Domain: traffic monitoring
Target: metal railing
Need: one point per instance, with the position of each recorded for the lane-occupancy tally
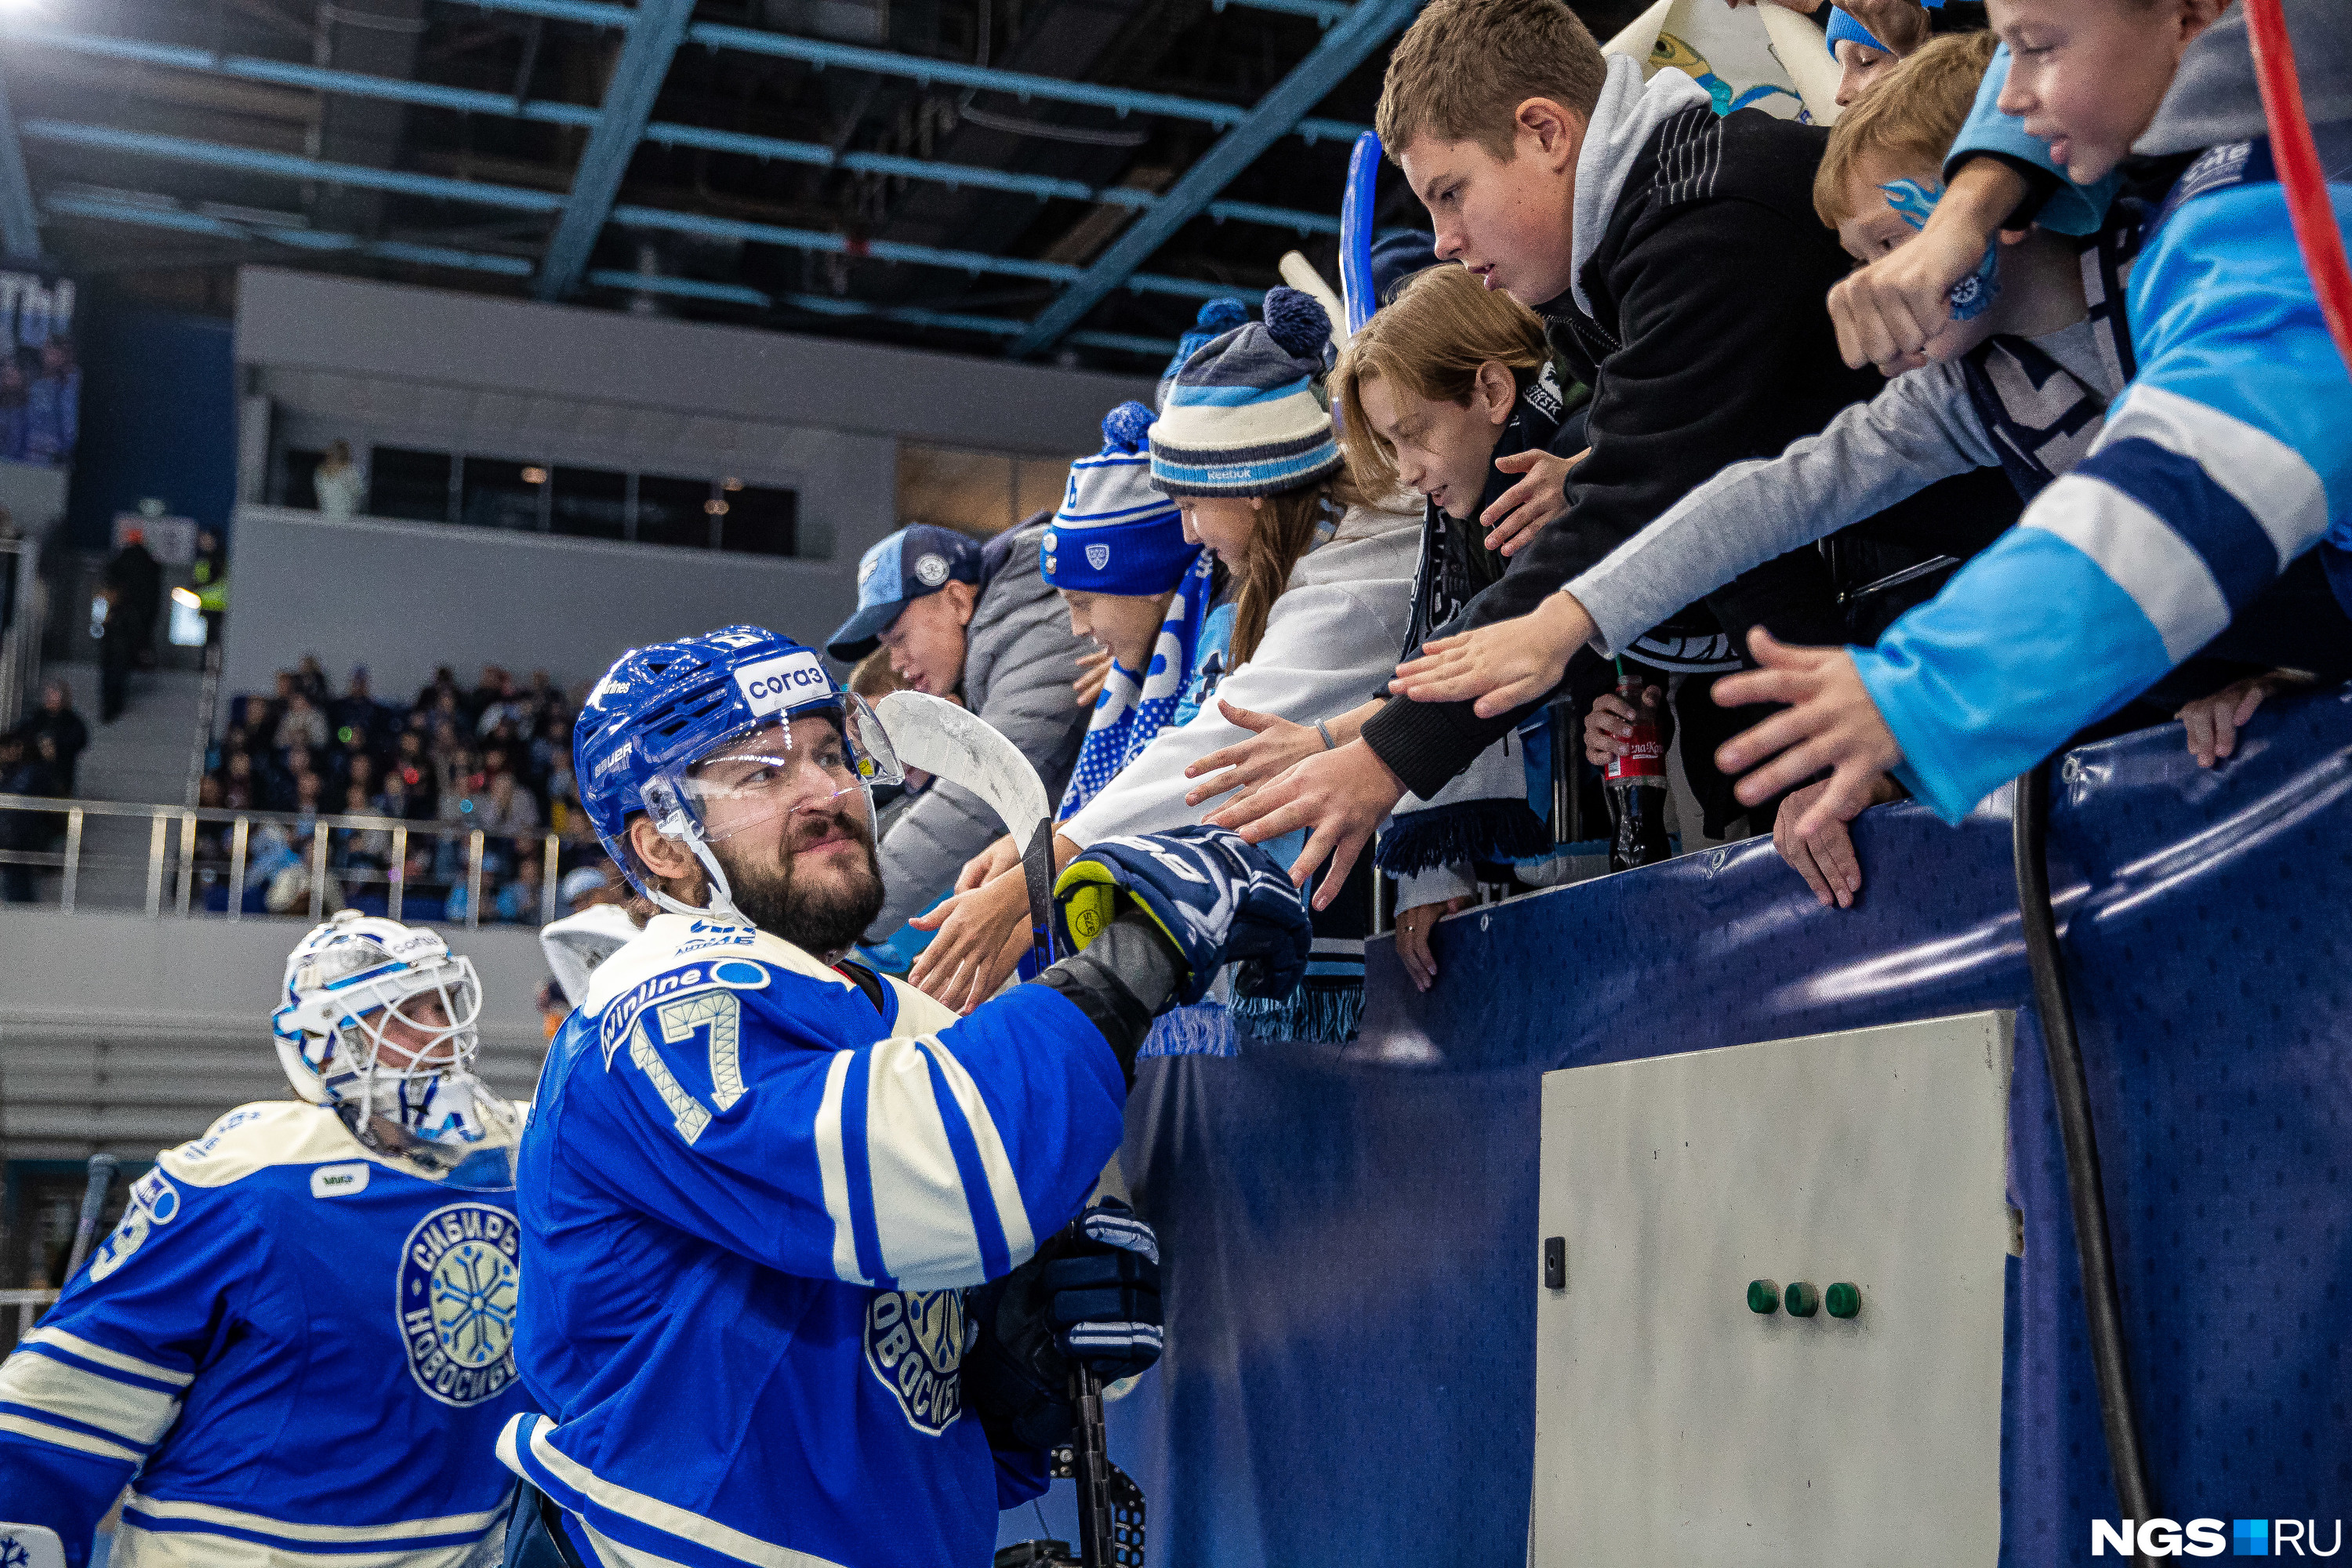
(176, 858)
(23, 607)
(23, 1308)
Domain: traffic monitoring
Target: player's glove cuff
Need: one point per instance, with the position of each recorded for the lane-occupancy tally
(1217, 898)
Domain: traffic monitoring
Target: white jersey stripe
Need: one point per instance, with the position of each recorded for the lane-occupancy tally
(2269, 478)
(2163, 574)
(1003, 1184)
(136, 1415)
(136, 1547)
(67, 1438)
(834, 1172)
(921, 1214)
(563, 1469)
(406, 1529)
(99, 1355)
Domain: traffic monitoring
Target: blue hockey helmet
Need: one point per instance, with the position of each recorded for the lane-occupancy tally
(661, 710)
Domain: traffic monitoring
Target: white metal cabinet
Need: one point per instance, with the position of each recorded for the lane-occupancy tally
(1677, 1427)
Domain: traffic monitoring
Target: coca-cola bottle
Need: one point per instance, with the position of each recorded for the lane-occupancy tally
(1636, 781)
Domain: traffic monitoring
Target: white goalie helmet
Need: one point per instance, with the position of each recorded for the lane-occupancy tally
(380, 1018)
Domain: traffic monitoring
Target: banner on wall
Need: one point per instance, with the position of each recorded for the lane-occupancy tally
(40, 372)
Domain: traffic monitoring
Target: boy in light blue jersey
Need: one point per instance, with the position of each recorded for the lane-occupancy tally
(297, 1345)
(2228, 458)
(758, 1182)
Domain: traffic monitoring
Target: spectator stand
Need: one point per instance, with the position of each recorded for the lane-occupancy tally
(457, 806)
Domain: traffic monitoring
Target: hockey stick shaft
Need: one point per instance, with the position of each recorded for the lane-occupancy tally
(93, 1204)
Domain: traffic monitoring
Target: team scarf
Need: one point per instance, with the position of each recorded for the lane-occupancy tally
(1133, 710)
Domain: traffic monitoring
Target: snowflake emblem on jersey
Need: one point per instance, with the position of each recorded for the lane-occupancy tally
(13, 1553)
(915, 1341)
(458, 1274)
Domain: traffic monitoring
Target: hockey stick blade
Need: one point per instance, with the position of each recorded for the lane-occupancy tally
(935, 735)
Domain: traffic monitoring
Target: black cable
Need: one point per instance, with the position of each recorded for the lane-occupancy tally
(2070, 1088)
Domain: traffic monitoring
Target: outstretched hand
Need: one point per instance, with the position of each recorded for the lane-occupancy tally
(1505, 666)
(1825, 858)
(1338, 797)
(987, 866)
(1519, 513)
(1274, 745)
(981, 935)
(1829, 722)
(2212, 721)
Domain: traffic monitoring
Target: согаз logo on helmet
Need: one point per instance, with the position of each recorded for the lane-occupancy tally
(775, 684)
(455, 1299)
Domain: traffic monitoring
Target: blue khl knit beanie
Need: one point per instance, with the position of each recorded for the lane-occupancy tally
(1216, 318)
(1114, 532)
(1242, 419)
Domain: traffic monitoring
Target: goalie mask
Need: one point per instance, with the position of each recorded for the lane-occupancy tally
(378, 1021)
(702, 735)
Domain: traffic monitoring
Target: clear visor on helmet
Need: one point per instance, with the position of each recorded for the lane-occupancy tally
(814, 763)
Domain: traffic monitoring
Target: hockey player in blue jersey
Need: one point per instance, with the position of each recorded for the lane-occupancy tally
(299, 1339)
(758, 1182)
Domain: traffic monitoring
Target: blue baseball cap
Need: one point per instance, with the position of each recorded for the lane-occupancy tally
(920, 558)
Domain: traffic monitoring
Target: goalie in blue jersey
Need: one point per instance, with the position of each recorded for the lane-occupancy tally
(299, 1340)
(758, 1181)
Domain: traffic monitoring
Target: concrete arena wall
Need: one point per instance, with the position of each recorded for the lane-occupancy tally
(429, 335)
(129, 1034)
(402, 598)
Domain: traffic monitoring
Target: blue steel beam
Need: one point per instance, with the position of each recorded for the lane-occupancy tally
(706, 227)
(287, 165)
(315, 78)
(922, 69)
(161, 212)
(629, 96)
(1343, 48)
(20, 223)
(470, 101)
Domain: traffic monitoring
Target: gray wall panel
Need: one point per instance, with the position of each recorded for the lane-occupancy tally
(288, 318)
(402, 597)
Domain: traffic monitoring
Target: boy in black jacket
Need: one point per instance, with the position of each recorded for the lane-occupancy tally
(1678, 259)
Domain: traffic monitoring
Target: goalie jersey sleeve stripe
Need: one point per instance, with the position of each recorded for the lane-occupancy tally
(2229, 457)
(38, 1382)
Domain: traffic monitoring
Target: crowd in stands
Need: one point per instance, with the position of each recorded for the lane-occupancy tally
(494, 759)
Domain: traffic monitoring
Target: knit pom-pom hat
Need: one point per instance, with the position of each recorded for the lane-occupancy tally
(1242, 419)
(1216, 318)
(1114, 533)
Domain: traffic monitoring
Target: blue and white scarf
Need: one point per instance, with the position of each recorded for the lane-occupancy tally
(1133, 710)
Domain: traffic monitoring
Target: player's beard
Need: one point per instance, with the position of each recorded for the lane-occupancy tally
(825, 916)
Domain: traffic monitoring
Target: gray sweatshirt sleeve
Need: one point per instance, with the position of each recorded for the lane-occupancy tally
(1923, 427)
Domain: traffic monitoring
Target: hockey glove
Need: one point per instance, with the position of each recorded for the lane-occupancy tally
(1218, 898)
(1090, 1297)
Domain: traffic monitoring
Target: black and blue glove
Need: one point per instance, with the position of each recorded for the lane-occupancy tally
(1218, 898)
(1089, 1298)
(1103, 1293)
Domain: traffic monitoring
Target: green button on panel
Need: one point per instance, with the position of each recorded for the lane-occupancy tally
(1842, 1300)
(1763, 1296)
(1802, 1299)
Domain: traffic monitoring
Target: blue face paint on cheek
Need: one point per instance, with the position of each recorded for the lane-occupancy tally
(1972, 296)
